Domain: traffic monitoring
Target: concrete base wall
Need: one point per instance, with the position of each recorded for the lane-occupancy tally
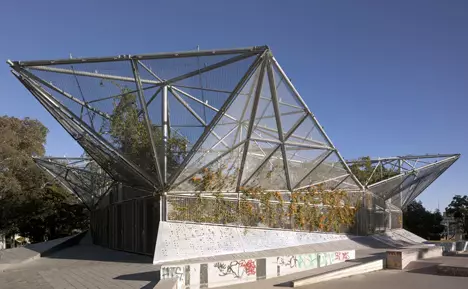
(181, 241)
(399, 259)
(222, 273)
(448, 246)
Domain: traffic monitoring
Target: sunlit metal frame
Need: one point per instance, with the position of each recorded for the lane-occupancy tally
(407, 166)
(161, 183)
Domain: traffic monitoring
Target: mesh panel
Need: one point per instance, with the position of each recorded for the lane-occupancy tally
(348, 184)
(265, 126)
(220, 175)
(84, 178)
(382, 189)
(271, 176)
(230, 130)
(256, 156)
(308, 134)
(104, 96)
(302, 160)
(329, 170)
(290, 108)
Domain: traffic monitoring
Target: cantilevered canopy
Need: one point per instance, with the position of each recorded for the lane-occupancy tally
(406, 176)
(165, 120)
(81, 176)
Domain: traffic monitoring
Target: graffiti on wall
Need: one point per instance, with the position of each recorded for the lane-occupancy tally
(342, 256)
(237, 269)
(307, 261)
(287, 261)
(294, 263)
(172, 273)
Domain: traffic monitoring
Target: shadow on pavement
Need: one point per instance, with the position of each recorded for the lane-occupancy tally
(152, 277)
(98, 253)
(423, 268)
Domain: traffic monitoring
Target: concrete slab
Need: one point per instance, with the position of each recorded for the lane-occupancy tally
(11, 258)
(184, 241)
(83, 266)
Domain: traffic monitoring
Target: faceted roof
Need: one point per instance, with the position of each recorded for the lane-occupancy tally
(162, 120)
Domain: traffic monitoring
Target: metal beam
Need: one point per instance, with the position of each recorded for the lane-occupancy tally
(217, 117)
(251, 123)
(323, 182)
(274, 98)
(65, 115)
(210, 163)
(182, 54)
(201, 102)
(208, 68)
(147, 119)
(64, 93)
(296, 93)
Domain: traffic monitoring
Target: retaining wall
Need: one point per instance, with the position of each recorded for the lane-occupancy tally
(181, 241)
(222, 273)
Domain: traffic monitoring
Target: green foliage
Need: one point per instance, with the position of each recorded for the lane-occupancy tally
(422, 222)
(129, 132)
(458, 208)
(363, 169)
(29, 202)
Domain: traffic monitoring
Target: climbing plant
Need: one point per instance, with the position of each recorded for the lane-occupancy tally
(312, 209)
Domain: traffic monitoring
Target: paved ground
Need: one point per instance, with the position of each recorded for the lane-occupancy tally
(83, 266)
(392, 279)
(421, 275)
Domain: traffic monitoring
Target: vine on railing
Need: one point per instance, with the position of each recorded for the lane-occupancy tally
(313, 209)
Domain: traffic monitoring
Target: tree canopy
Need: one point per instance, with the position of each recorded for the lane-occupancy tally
(129, 132)
(30, 203)
(363, 169)
(422, 222)
(458, 208)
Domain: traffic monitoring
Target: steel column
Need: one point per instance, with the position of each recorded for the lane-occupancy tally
(149, 125)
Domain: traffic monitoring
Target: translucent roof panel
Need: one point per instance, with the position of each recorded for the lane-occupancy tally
(403, 188)
(159, 120)
(81, 176)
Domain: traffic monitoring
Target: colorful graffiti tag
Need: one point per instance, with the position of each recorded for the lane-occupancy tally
(236, 268)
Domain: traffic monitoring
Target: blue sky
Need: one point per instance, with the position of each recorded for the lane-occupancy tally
(383, 77)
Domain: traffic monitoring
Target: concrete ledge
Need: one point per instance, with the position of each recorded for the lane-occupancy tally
(71, 241)
(450, 270)
(166, 284)
(223, 273)
(365, 267)
(446, 246)
(399, 259)
(11, 258)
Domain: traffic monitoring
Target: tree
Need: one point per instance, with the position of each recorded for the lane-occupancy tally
(364, 169)
(130, 133)
(422, 222)
(458, 208)
(29, 201)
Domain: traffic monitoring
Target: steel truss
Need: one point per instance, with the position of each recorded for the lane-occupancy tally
(233, 111)
(81, 176)
(412, 174)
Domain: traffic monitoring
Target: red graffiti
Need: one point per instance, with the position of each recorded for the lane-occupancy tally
(341, 256)
(249, 267)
